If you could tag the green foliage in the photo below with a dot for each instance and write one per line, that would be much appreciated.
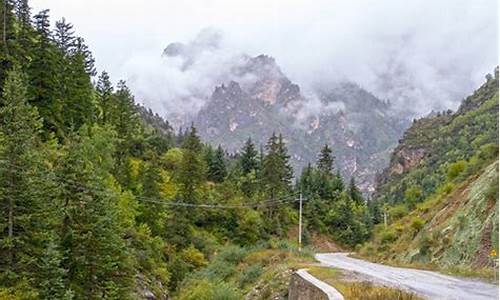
(194, 257)
(347, 216)
(250, 274)
(25, 186)
(216, 166)
(172, 158)
(207, 290)
(425, 243)
(97, 203)
(456, 169)
(91, 232)
(413, 195)
(277, 175)
(388, 236)
(398, 211)
(325, 161)
(451, 146)
(250, 227)
(248, 160)
(417, 224)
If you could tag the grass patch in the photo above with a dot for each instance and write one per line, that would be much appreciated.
(366, 290)
(488, 274)
(359, 290)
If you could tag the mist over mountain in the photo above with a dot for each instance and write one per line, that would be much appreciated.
(253, 97)
(303, 78)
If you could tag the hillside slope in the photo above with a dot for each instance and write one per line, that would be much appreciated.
(440, 192)
(452, 228)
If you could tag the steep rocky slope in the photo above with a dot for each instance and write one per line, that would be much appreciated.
(433, 143)
(440, 192)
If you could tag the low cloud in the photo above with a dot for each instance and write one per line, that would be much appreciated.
(180, 81)
(420, 55)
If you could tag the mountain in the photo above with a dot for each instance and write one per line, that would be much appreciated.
(256, 98)
(440, 191)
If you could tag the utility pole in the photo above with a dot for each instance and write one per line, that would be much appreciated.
(300, 222)
(385, 215)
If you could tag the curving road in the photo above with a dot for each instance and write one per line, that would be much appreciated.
(428, 284)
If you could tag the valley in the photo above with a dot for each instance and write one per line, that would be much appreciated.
(216, 172)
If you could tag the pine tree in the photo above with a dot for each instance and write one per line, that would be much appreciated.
(24, 35)
(285, 161)
(24, 187)
(354, 192)
(248, 160)
(97, 258)
(88, 61)
(23, 13)
(276, 177)
(193, 168)
(124, 117)
(79, 105)
(306, 181)
(75, 88)
(105, 101)
(325, 161)
(64, 36)
(190, 176)
(276, 171)
(43, 84)
(216, 166)
(7, 36)
(150, 213)
(126, 122)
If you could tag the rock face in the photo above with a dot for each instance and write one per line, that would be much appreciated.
(259, 99)
(406, 159)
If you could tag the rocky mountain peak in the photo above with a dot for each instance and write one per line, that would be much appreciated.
(228, 92)
(253, 98)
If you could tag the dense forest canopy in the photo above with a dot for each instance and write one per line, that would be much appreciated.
(98, 195)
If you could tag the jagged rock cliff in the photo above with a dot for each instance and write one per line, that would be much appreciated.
(260, 99)
(253, 97)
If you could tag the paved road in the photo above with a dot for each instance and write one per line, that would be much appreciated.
(428, 284)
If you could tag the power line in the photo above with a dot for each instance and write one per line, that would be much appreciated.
(109, 192)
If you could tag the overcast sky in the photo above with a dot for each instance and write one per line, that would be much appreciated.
(442, 48)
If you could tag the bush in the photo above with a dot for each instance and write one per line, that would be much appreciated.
(208, 290)
(447, 188)
(232, 254)
(398, 211)
(489, 151)
(462, 220)
(399, 228)
(456, 169)
(388, 236)
(205, 242)
(425, 244)
(367, 250)
(417, 223)
(491, 193)
(225, 291)
(249, 228)
(413, 195)
(194, 257)
(172, 158)
(250, 275)
(217, 270)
